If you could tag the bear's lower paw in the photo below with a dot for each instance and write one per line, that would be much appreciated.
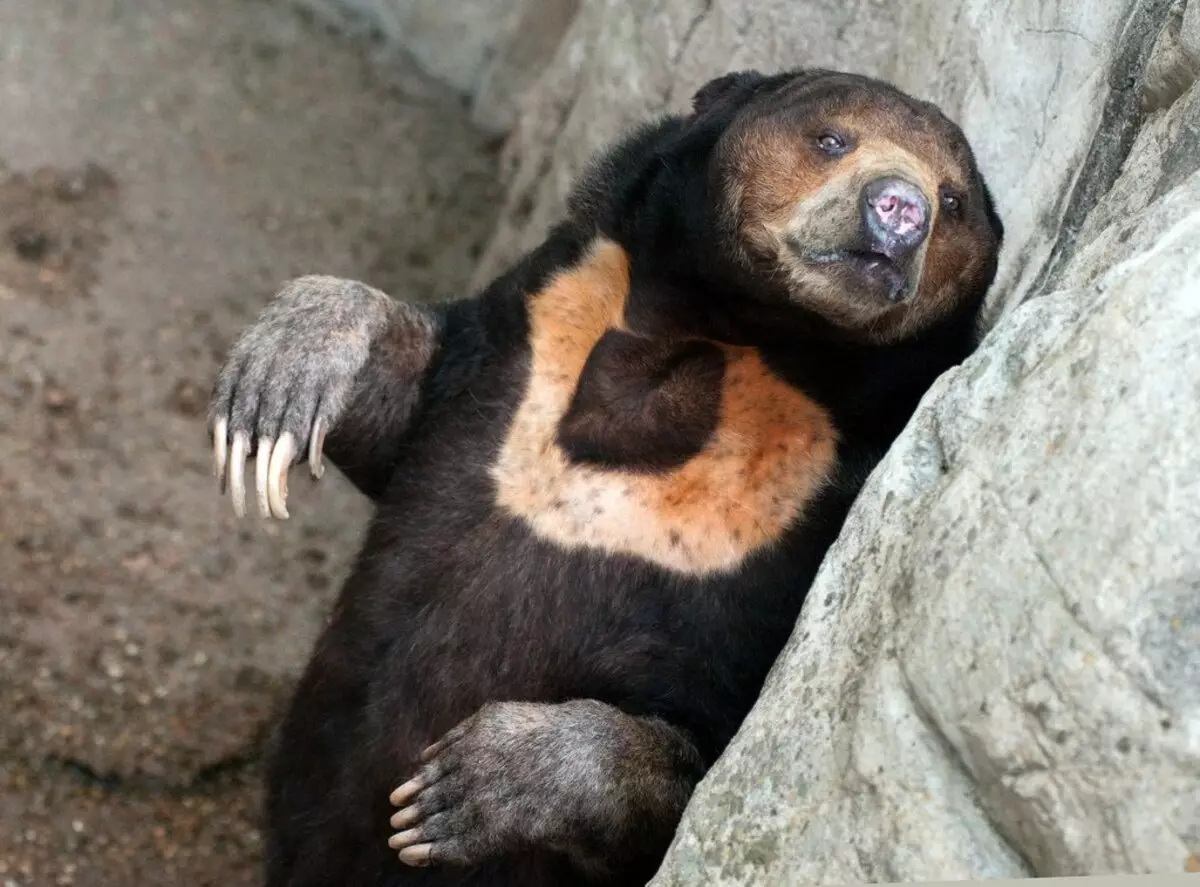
(442, 820)
(514, 775)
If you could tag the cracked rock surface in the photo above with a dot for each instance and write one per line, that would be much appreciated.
(164, 168)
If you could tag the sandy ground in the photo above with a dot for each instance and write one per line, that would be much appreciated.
(163, 167)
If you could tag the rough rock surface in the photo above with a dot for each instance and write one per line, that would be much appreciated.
(490, 51)
(451, 40)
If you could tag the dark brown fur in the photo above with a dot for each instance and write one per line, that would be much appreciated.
(645, 402)
(603, 484)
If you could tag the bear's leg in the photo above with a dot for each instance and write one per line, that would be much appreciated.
(308, 764)
(581, 778)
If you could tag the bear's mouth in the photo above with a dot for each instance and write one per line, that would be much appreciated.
(883, 275)
(881, 270)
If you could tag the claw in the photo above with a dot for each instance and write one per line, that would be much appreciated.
(261, 466)
(315, 442)
(406, 818)
(419, 855)
(403, 839)
(237, 468)
(220, 451)
(281, 461)
(450, 737)
(406, 792)
(432, 751)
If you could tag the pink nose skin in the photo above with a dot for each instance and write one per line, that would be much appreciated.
(896, 215)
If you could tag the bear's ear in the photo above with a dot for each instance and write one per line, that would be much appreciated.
(736, 83)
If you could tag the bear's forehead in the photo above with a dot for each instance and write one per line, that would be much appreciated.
(766, 148)
(871, 110)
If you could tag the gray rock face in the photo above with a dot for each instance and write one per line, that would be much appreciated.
(450, 40)
(490, 51)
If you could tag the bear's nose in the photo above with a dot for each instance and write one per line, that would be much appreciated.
(896, 216)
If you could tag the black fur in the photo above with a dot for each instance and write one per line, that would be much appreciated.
(452, 605)
(643, 403)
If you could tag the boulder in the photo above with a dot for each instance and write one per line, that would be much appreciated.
(490, 51)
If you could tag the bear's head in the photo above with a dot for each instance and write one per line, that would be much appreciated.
(849, 198)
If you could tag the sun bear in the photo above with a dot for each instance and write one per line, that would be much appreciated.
(604, 483)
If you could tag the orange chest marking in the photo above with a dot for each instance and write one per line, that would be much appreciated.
(772, 450)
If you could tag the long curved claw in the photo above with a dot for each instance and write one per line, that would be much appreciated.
(262, 465)
(405, 793)
(281, 462)
(237, 469)
(316, 442)
(416, 855)
(220, 445)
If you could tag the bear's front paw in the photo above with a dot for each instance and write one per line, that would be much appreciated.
(286, 382)
(513, 775)
(457, 810)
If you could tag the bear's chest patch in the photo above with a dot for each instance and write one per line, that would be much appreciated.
(766, 456)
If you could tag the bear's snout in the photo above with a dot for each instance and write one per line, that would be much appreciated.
(895, 216)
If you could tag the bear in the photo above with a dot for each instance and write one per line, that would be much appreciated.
(602, 484)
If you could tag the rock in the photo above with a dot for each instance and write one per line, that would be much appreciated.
(517, 61)
(1189, 32)
(1173, 64)
(490, 51)
(997, 672)
(451, 41)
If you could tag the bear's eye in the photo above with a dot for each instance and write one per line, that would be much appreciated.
(832, 143)
(951, 203)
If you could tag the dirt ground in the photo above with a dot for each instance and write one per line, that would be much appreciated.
(163, 167)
